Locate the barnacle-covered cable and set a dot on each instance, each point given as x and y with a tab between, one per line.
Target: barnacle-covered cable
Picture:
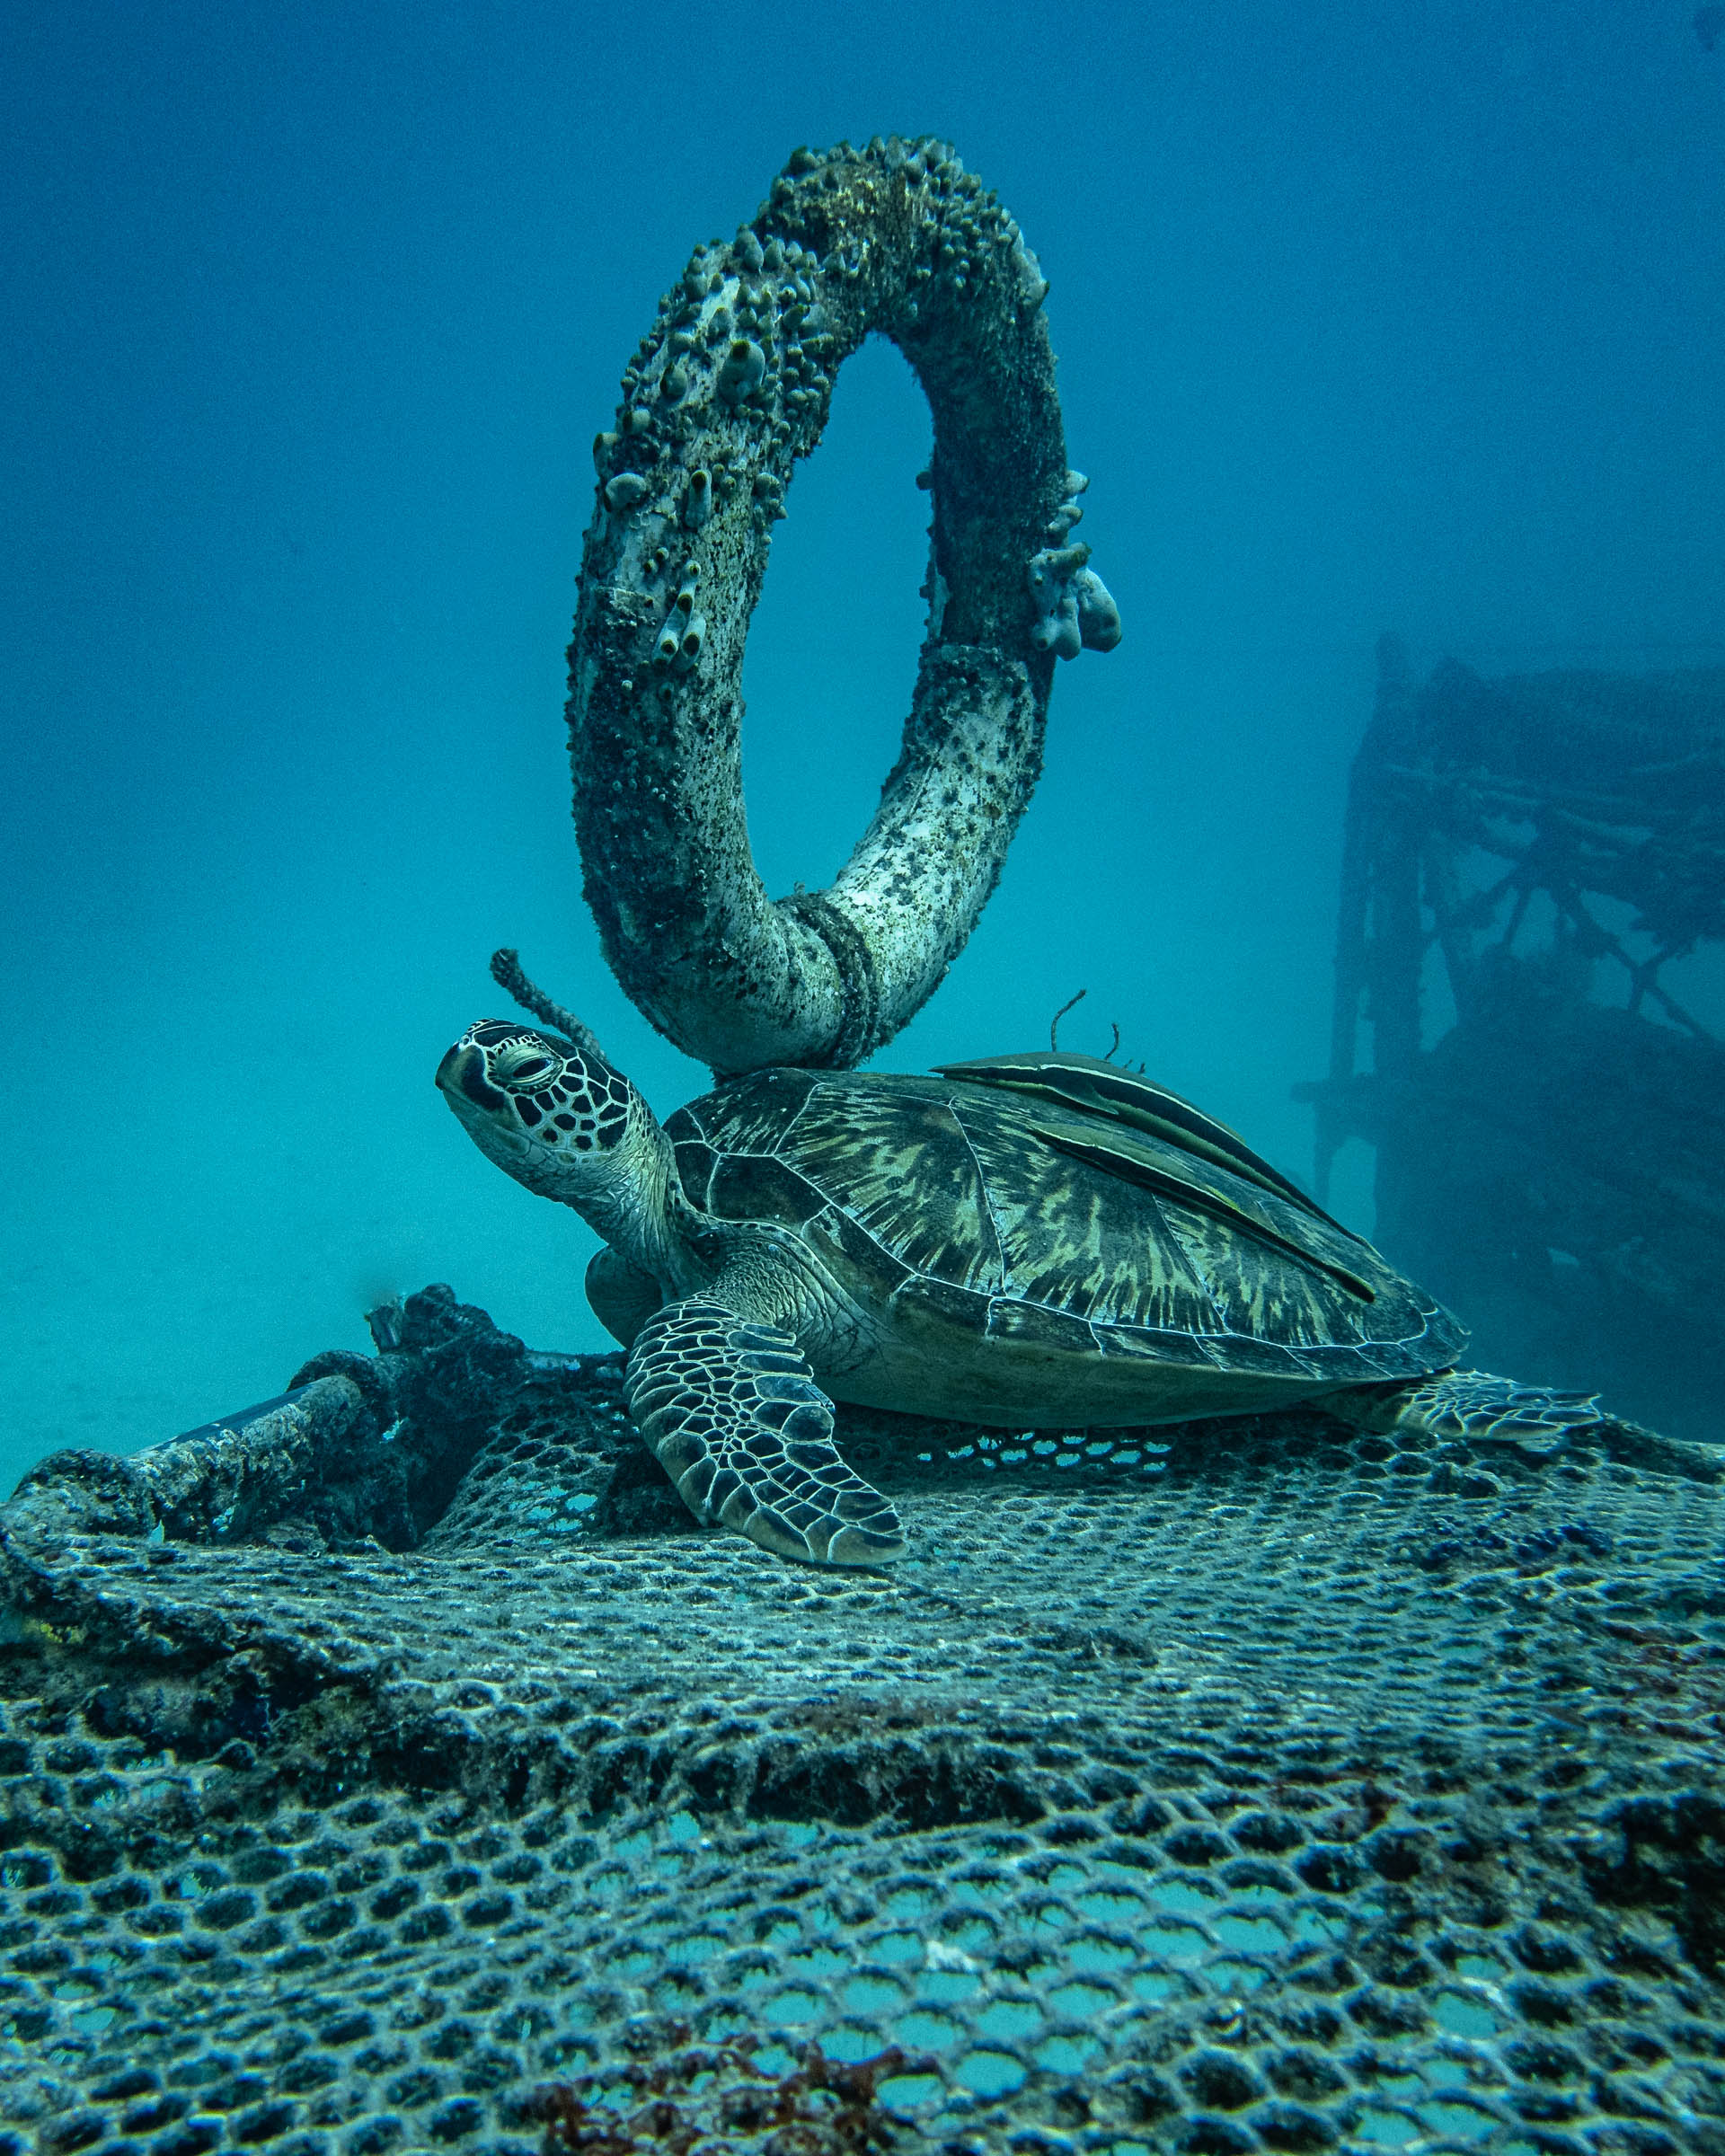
731	385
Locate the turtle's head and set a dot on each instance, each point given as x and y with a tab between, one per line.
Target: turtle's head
557	1117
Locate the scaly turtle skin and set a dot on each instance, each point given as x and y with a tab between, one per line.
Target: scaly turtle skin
1030	1240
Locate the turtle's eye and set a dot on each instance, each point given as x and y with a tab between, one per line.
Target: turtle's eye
522	1065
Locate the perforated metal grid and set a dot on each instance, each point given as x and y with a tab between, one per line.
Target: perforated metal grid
1274	1789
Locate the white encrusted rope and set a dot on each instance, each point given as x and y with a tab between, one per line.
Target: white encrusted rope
732	385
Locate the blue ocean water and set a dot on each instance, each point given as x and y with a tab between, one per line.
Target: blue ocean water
1405	320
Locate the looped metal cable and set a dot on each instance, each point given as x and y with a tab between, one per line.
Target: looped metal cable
730	388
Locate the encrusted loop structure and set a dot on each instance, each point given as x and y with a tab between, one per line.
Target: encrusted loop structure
1263	1788
731	385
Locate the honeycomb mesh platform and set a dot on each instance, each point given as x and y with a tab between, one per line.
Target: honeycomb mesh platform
380	1763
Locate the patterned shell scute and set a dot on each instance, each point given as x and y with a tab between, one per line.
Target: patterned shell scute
1256	1292
851	1253
750	1115
746	1186
890	1155
1035	1325
1192	1348
1076	1240
740	1126
695	1162
949	1195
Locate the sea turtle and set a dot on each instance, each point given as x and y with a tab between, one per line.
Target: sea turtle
1036	1240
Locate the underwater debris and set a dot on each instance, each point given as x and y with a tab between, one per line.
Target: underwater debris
820	2107
730	388
1542	1107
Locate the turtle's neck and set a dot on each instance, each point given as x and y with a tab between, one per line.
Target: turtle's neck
641	1210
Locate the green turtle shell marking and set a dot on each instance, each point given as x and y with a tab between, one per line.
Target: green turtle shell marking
1104	1089
1018	1214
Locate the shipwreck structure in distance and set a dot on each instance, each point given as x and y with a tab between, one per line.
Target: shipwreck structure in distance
1530	976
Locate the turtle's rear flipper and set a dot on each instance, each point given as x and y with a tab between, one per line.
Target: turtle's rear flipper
734	1418
1470	1403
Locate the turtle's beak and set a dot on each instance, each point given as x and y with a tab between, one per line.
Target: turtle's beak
463	1070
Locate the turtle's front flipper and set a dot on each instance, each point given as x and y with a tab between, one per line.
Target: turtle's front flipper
734	1415
1470	1403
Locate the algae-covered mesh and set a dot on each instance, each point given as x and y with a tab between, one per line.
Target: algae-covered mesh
401	1770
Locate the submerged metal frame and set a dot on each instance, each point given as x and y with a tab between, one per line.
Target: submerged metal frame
1582	786
1503	837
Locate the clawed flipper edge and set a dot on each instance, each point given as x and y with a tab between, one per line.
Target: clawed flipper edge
1472	1403
731	1410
